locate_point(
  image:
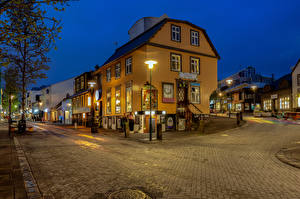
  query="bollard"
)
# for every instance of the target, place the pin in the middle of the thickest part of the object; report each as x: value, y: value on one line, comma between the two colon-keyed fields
x: 75, y: 125
x: 238, y: 119
x: 159, y: 131
x: 241, y: 116
x: 201, y: 126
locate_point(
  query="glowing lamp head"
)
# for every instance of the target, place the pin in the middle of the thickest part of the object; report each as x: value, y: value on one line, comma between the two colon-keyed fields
x: 229, y: 81
x: 254, y: 87
x: 220, y: 94
x: 92, y: 83
x: 150, y: 63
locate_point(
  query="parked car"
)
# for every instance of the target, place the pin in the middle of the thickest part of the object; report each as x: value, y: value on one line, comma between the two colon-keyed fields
x: 257, y: 112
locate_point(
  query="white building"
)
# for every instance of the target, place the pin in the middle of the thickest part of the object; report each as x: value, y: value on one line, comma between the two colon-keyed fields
x: 53, y: 95
x: 296, y: 86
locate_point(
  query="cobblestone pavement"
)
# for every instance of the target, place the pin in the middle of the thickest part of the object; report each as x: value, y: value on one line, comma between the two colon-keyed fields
x: 238, y: 163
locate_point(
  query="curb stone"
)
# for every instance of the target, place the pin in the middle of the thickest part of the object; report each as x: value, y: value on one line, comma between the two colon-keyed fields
x: 281, y: 155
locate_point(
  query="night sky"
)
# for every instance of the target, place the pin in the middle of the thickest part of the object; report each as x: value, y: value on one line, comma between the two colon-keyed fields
x: 264, y: 33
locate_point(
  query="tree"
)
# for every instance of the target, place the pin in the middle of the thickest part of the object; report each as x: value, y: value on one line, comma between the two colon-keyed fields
x: 29, y: 35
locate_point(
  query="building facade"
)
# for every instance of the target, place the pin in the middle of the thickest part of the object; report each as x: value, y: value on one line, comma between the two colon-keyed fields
x: 296, y: 86
x: 277, y: 97
x: 182, y: 80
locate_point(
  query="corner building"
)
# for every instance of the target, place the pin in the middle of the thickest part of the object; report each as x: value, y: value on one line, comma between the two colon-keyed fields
x: 182, y: 80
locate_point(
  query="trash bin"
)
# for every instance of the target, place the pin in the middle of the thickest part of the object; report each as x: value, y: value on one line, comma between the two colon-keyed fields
x: 21, y: 126
x: 159, y: 131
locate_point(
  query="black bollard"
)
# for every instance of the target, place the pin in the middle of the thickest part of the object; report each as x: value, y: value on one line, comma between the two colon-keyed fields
x: 238, y: 119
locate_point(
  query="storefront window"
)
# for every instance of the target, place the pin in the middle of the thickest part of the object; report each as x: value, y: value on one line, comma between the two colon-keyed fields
x: 129, y: 97
x: 298, y: 100
x: 146, y: 97
x: 267, y: 105
x: 108, y: 101
x: 118, y: 99
x: 284, y: 103
x: 195, y: 93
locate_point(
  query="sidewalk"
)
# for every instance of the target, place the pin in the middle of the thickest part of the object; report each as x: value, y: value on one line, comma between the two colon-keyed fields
x: 290, y: 155
x: 11, y: 178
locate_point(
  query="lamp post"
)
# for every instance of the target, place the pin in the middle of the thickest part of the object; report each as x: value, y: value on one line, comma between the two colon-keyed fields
x: 254, y: 88
x: 229, y: 83
x: 150, y: 64
x: 93, y: 126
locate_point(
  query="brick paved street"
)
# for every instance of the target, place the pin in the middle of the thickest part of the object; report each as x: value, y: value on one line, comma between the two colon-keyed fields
x: 238, y: 163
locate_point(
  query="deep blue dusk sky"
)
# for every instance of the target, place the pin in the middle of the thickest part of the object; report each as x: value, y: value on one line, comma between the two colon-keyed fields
x: 264, y: 34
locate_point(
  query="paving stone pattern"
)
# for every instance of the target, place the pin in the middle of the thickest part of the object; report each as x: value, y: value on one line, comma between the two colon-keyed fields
x: 238, y: 163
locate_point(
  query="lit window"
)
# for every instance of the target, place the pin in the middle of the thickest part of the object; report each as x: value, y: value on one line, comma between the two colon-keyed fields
x: 128, y: 66
x: 298, y: 101
x: 118, y: 99
x: 108, y: 74
x: 118, y: 70
x: 284, y: 103
x: 89, y: 101
x: 175, y: 33
x: 267, y: 105
x: 194, y: 38
x: 108, y: 101
x: 195, y: 65
x: 175, y: 62
x: 129, y: 97
x: 195, y: 94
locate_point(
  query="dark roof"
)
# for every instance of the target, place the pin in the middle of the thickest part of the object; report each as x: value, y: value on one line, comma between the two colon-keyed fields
x: 79, y: 93
x: 147, y: 35
x: 276, y: 83
x: 297, y: 64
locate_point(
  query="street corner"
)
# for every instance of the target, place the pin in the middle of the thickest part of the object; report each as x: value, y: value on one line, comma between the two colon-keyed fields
x: 290, y: 156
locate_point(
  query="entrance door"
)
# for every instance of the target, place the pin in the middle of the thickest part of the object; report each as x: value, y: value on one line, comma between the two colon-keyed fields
x: 182, y: 93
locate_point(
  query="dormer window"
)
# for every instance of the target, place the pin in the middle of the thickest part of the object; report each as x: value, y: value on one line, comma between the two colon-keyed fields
x: 194, y: 38
x: 175, y: 33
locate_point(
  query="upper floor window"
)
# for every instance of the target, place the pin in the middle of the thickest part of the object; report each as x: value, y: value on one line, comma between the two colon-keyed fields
x: 108, y: 74
x: 195, y: 65
x: 194, y: 38
x: 175, y: 62
x: 128, y: 65
x: 82, y: 82
x: 175, y: 33
x: 298, y: 79
x: 118, y: 70
x: 195, y: 93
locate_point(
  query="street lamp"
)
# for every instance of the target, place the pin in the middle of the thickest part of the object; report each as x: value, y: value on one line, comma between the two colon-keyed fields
x: 150, y: 64
x: 229, y: 83
x: 254, y: 88
x: 93, y: 125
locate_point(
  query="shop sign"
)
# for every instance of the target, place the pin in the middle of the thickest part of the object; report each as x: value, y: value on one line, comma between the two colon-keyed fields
x: 190, y: 76
x: 170, y: 123
x: 168, y: 92
x: 275, y: 96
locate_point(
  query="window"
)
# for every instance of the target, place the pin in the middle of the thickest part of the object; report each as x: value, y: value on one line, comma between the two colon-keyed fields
x: 129, y: 97
x: 128, y: 65
x: 267, y: 105
x: 175, y: 30
x: 118, y: 70
x: 108, y: 75
x: 298, y: 100
x: 195, y: 65
x: 108, y: 101
x: 82, y: 82
x: 194, y: 38
x: 175, y: 62
x: 118, y: 99
x: 284, y: 103
x: 298, y: 79
x: 195, y: 93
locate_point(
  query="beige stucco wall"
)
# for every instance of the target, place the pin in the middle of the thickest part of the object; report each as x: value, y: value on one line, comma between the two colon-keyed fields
x: 295, y: 87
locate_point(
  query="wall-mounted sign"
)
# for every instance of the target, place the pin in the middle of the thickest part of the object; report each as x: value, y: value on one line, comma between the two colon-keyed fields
x: 168, y: 92
x: 275, y: 96
x: 190, y: 76
x: 97, y: 95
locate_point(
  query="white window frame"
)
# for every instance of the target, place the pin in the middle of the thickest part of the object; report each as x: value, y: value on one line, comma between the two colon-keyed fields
x: 175, y: 58
x: 128, y: 86
x: 108, y: 74
x: 118, y: 70
x: 128, y: 65
x: 195, y: 64
x: 175, y: 33
x: 195, y: 96
x: 194, y: 38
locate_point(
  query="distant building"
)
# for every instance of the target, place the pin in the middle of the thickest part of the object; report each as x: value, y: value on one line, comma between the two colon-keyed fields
x: 296, y: 86
x: 240, y: 92
x: 53, y: 95
x: 32, y: 100
x: 277, y: 96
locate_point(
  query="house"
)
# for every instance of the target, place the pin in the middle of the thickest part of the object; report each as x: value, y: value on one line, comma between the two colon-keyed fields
x: 182, y: 80
x: 52, y: 95
x: 296, y: 86
x: 277, y: 96
x: 32, y: 100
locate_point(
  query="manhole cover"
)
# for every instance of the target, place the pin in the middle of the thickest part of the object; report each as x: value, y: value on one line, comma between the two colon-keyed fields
x: 129, y: 194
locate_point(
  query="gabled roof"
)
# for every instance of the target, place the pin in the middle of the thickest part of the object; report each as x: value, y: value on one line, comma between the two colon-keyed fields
x: 276, y: 84
x: 147, y: 35
x: 298, y: 63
